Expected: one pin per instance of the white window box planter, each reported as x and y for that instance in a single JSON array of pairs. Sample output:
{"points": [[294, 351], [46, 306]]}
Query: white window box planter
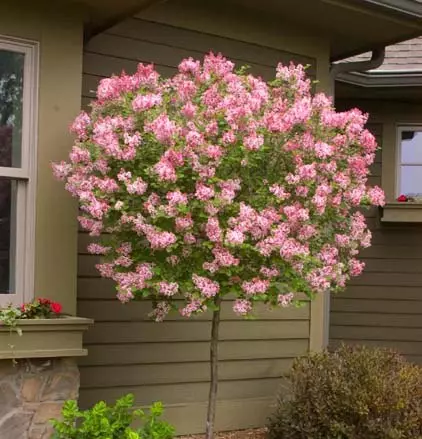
{"points": [[44, 338], [407, 212]]}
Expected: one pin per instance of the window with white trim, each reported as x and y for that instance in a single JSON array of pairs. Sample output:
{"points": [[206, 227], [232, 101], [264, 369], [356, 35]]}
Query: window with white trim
{"points": [[409, 172], [18, 134]]}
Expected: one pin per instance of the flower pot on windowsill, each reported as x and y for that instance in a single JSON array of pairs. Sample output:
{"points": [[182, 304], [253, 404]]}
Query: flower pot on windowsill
{"points": [[44, 338]]}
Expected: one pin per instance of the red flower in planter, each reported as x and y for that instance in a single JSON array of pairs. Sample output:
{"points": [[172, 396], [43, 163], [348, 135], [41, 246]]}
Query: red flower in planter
{"points": [[402, 199], [39, 308], [56, 307]]}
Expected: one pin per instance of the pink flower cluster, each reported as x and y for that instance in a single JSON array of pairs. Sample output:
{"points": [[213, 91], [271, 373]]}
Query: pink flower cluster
{"points": [[215, 182]]}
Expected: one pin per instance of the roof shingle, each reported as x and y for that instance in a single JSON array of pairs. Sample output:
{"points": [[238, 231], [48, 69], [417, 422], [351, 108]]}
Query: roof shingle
{"points": [[406, 55]]}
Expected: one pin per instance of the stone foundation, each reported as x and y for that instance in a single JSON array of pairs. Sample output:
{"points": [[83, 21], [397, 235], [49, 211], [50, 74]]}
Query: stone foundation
{"points": [[32, 392]]}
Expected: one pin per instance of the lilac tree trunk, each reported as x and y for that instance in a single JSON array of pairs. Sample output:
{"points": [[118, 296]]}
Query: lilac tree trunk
{"points": [[212, 398]]}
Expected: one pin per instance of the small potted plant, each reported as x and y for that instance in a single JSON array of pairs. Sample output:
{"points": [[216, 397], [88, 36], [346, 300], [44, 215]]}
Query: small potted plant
{"points": [[37, 309]]}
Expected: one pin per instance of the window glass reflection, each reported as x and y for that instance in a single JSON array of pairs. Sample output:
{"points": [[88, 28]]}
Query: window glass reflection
{"points": [[11, 95], [411, 147], [8, 194], [411, 180]]}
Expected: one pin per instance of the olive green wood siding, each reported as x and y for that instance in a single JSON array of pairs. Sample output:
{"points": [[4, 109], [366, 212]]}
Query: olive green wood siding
{"points": [[383, 307], [169, 361]]}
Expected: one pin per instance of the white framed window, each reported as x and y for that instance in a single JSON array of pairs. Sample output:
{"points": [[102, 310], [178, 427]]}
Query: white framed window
{"points": [[409, 161], [18, 142]]}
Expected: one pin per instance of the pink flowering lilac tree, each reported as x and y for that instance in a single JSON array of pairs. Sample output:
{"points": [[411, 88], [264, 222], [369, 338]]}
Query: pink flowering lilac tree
{"points": [[215, 183]]}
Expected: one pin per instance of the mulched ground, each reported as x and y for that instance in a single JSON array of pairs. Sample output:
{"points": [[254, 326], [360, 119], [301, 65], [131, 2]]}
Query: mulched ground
{"points": [[243, 434]]}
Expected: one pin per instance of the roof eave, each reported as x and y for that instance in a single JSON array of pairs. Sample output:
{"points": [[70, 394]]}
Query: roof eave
{"points": [[409, 10], [369, 48], [406, 7]]}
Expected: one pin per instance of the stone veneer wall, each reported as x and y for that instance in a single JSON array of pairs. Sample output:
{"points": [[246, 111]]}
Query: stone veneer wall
{"points": [[32, 392]]}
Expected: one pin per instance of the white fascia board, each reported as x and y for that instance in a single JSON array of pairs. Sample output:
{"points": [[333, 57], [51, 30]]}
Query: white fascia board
{"points": [[385, 78]]}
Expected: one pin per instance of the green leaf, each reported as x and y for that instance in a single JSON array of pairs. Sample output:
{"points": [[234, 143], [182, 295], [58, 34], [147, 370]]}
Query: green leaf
{"points": [[111, 422]]}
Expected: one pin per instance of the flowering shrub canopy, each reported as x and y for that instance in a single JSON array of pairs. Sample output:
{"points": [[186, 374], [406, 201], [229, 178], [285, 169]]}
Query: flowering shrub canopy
{"points": [[215, 182]]}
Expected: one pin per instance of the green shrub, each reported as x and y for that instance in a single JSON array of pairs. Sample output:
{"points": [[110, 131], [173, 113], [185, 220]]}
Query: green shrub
{"points": [[353, 393], [111, 422]]}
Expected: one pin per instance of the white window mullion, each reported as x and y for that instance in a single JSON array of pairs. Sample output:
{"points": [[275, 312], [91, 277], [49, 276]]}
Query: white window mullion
{"points": [[16, 238], [14, 173], [21, 238], [29, 158], [410, 164]]}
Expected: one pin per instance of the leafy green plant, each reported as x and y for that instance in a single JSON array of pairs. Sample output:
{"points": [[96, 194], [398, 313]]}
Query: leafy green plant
{"points": [[37, 309], [353, 393], [111, 422], [9, 317]]}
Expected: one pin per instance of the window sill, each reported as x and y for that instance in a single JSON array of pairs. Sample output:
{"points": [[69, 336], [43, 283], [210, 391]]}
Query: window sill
{"points": [[407, 212], [44, 338]]}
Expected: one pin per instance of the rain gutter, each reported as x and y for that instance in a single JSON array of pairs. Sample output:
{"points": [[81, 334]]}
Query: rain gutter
{"points": [[377, 58]]}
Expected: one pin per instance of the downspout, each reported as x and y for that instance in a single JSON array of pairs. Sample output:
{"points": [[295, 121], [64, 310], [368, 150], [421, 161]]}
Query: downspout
{"points": [[377, 58]]}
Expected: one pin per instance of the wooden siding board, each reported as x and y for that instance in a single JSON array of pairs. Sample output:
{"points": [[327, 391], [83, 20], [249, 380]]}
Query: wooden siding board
{"points": [[392, 265], [398, 235], [396, 279], [141, 332], [110, 311], [190, 418], [383, 319], [182, 393], [185, 352], [377, 293], [192, 372], [374, 180], [398, 251], [376, 170], [373, 223], [94, 288], [83, 241], [376, 333], [89, 85], [105, 65], [161, 54], [342, 304], [202, 43]]}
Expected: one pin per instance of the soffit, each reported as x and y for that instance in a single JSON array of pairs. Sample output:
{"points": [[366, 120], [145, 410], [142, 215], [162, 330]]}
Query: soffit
{"points": [[351, 26]]}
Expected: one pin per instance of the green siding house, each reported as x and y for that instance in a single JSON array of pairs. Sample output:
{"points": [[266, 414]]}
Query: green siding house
{"points": [[63, 49]]}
